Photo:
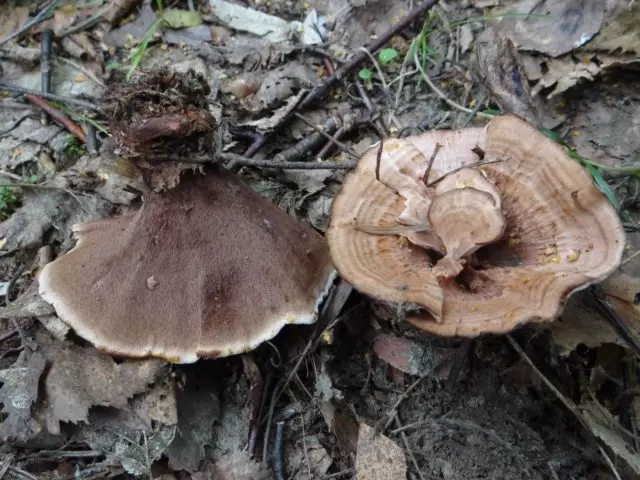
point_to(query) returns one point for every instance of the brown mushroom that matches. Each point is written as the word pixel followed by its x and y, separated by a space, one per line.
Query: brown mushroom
pixel 465 219
pixel 561 232
pixel 207 269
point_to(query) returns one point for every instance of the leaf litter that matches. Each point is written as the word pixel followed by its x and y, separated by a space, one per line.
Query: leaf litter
pixel 144 417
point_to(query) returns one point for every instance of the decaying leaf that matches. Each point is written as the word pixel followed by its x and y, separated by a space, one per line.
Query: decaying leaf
pixel 45 210
pixel 378 457
pixel 553 27
pixel 606 428
pixel 621 33
pixel 18 393
pixel 29 304
pixel 125 440
pixel 80 378
pixel 498 66
pixel 582 323
pixel 238 17
pixel 564 72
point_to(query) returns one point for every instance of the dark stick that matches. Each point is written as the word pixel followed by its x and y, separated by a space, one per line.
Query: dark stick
pixel 49 96
pixel 319 91
pixel 92 138
pixel 278 452
pixel 45 66
pixel 425 177
pixel 58 116
pixel 307 145
pixel 326 134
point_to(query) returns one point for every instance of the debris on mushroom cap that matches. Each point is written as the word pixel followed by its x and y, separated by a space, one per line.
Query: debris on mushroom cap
pixel 464 219
pixel 561 232
pixel 207 269
pixel 468 178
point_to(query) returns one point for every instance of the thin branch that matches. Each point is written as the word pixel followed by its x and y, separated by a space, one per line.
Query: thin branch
pixel 50 96
pixel 319 91
pixel 338 143
pixel 440 93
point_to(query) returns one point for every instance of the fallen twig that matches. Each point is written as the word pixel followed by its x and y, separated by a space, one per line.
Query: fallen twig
pixel 50 96
pixel 58 116
pixel 307 144
pixel 319 91
pixel 235 160
pixel 327 136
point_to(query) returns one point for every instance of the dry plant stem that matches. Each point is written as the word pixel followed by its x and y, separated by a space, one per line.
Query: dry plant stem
pixel 235 160
pixel 302 149
pixel 370 106
pixel 6 336
pixel 58 116
pixel 275 396
pixel 319 91
pixel 439 92
pixel 384 422
pixel 566 401
pixel 278 452
pixel 328 319
pixel 479 164
pixel 610 463
pixel 82 69
pixel 327 136
pixel 49 96
pixel 407 447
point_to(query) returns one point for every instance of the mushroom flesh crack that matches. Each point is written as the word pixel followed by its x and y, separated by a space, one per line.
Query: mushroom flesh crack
pixel 207 269
pixel 482 248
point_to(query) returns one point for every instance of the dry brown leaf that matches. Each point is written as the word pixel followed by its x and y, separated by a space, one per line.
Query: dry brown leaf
pixel 553 27
pixel 378 457
pixel 12 18
pixel 118 9
pixel 497 64
pixel 581 323
pixel 565 72
pixel 18 392
pixel 80 378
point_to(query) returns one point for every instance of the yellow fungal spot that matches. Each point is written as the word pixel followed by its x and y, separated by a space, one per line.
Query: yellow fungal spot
pixel 573 255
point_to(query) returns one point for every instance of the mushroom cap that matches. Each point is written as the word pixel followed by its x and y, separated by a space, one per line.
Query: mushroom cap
pixel 389 267
pixel 207 269
pixel 561 233
pixel 465 219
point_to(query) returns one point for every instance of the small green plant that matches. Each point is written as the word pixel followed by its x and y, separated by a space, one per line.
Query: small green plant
pixel 385 56
pixel 10 199
pixel 74 148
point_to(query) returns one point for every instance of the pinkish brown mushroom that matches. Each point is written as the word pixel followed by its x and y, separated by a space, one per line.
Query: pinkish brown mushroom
pixel 561 234
pixel 207 269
